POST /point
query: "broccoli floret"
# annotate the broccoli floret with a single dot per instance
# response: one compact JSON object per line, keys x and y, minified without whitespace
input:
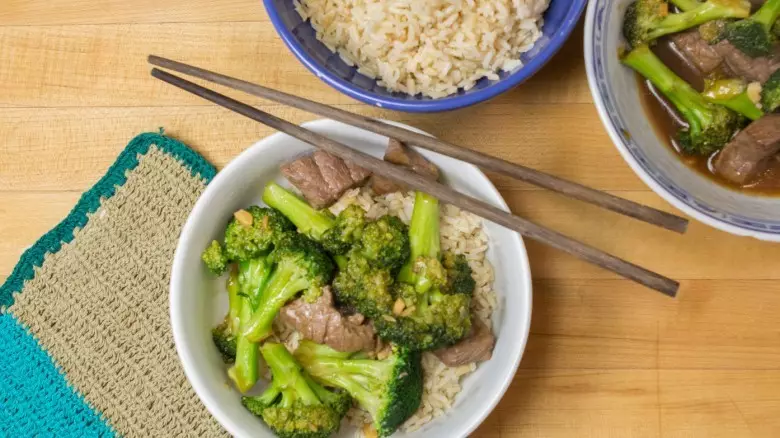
{"x":429,"y":321}
{"x":215,"y":258}
{"x":459,"y":279}
{"x":225,"y":334}
{"x":431,"y":318}
{"x":770,"y":93}
{"x":301,"y":266}
{"x":385,"y":243}
{"x":245,"y":239}
{"x":294,"y":405}
{"x":710,"y":126}
{"x":648,"y":20}
{"x":754,"y":36}
{"x":389,"y":389}
{"x":253,"y":276}
{"x":311,"y":222}
{"x":364,"y":287}
{"x":733,"y":94}
{"x":346,"y":230}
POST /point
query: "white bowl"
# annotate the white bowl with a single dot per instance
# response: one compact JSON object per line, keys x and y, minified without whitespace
{"x":198,"y":301}
{"x":615,"y":92}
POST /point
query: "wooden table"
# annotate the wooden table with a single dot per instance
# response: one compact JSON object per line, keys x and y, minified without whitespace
{"x":606,"y":358}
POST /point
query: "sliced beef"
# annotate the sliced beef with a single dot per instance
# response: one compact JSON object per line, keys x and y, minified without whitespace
{"x":751,"y":150}
{"x":750,"y":69}
{"x":304,"y":174}
{"x":723,"y":55}
{"x":322,"y":178}
{"x":334,"y":171}
{"x":477,"y":346}
{"x":359,"y":174}
{"x":322,"y":323}
{"x":697,"y":51}
{"x":399,"y":153}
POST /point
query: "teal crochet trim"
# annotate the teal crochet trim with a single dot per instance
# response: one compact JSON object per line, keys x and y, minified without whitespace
{"x":116,"y":176}
{"x":35,"y":398}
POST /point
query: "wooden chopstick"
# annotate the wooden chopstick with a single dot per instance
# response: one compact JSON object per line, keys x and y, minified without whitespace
{"x":568,"y":188}
{"x":415,"y":181}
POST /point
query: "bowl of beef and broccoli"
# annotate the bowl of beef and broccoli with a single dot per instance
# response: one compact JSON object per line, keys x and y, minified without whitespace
{"x":689,"y":91}
{"x":310,"y":298}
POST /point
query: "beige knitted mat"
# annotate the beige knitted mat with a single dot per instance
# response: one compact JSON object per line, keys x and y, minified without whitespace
{"x":99,"y":305}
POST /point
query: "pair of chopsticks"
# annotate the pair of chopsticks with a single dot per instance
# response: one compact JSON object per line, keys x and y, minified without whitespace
{"x":440,"y":191}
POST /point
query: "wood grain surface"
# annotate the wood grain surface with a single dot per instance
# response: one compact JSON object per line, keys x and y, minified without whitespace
{"x":606,"y":358}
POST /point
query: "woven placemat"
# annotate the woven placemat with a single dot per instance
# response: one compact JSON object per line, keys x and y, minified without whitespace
{"x":85,"y":341}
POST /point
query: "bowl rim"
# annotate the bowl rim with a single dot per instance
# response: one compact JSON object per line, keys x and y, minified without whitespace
{"x":687,"y":204}
{"x":188,"y":361}
{"x":448,"y":103}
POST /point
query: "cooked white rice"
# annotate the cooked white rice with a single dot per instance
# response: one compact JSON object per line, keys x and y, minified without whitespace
{"x":461,"y":233}
{"x":431,"y":47}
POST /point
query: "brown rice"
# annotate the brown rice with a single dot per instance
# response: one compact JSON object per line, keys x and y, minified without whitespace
{"x":431,"y":47}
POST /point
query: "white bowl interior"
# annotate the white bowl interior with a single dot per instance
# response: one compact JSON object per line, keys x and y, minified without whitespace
{"x":616,"y":94}
{"x":198,"y":300}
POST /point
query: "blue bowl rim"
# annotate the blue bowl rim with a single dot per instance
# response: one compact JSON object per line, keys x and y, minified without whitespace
{"x":431,"y":105}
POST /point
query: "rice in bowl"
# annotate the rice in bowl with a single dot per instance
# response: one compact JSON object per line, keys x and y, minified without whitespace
{"x":462,"y":233}
{"x":427,"y":47}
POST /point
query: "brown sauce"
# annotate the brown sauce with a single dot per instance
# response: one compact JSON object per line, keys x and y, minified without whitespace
{"x":666,"y":123}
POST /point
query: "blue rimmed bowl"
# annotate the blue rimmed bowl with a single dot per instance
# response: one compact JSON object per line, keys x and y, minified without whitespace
{"x":617,"y":98}
{"x":559,"y":21}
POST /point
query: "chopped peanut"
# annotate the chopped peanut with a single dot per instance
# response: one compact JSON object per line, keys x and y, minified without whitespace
{"x":243,"y":217}
{"x":369,"y":431}
{"x":388,"y":318}
{"x":408,"y":311}
{"x":265,"y":222}
{"x":399,"y":306}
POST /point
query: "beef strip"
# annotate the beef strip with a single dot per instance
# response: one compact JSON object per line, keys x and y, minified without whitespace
{"x":359,"y":174}
{"x":399,"y":153}
{"x":304,"y":174}
{"x":750,"y":69}
{"x":322,"y":323}
{"x":334,"y":171}
{"x":723,"y":55}
{"x":477,"y":346}
{"x":750,"y":151}
{"x":322,"y":178}
{"x":697,"y":51}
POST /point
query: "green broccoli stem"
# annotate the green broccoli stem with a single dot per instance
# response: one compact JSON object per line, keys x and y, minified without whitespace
{"x":234,"y":302}
{"x":283,"y":285}
{"x":732,"y":94}
{"x":704,"y":12}
{"x":244,"y":371}
{"x":335,"y":372}
{"x":694,"y":108}
{"x":287,"y":374}
{"x":424,"y":228}
{"x":424,"y":238}
{"x":252,"y":277}
{"x":767,"y":15}
{"x":308,"y":220}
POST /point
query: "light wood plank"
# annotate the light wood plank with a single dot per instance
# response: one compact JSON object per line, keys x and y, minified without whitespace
{"x":86,"y":140}
{"x":106,"y":65}
{"x":582,"y":403}
{"x":54,"y":12}
{"x":624,"y":403}
{"x":724,"y":404}
{"x":702,"y":253}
